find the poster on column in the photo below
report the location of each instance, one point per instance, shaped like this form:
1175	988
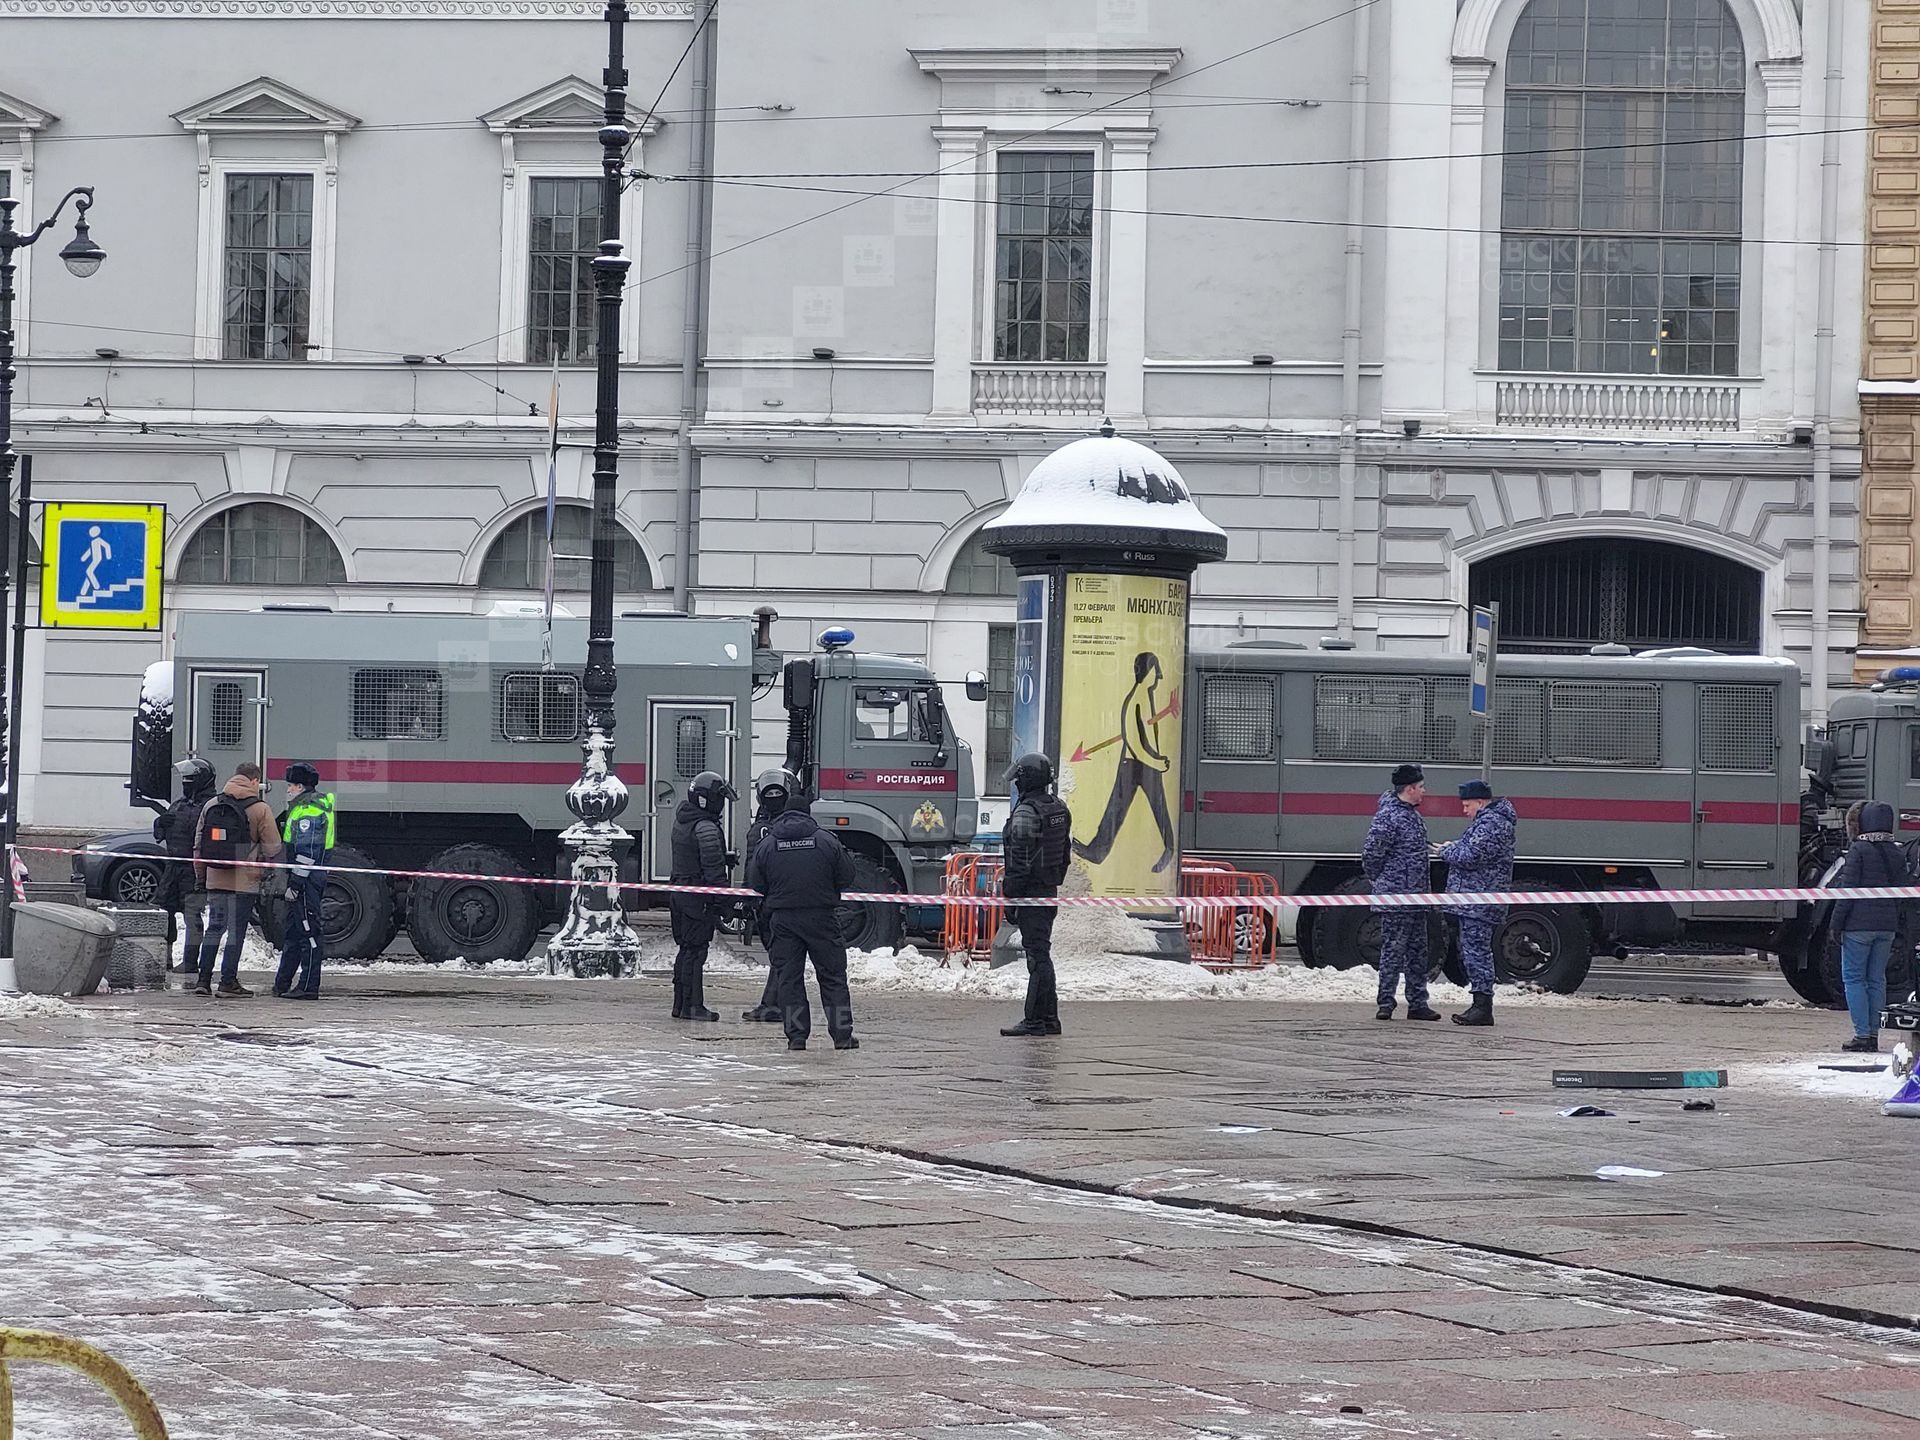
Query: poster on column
1123	660
1030	669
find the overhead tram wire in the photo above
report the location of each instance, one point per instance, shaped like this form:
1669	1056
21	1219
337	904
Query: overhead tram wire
991	150
654	109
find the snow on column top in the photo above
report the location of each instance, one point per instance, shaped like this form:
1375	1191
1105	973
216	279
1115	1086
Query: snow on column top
1106	491
156	686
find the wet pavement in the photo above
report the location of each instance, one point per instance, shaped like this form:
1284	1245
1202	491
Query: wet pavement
455	1204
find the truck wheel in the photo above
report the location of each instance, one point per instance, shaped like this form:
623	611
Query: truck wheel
872	927
1804	976
1304	937
358	915
1450	966
478	920
1346	936
1545	945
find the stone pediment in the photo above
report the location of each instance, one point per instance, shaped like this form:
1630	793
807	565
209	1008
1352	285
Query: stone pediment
265	105
18	115
570	106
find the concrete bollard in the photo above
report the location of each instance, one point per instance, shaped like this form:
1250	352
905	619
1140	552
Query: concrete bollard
60	949
140	954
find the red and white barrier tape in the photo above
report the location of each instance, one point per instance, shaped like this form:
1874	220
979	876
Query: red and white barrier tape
1109	902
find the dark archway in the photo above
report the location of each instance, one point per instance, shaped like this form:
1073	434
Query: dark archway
1566	597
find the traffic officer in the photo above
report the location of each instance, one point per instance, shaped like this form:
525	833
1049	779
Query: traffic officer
1038	835
1394	859
1479	862
308	832
800	870
775	792
699	858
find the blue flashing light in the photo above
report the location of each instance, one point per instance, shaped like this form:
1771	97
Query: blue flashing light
838	638
1900	675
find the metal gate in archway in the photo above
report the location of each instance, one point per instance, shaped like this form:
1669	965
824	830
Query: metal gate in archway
1565	597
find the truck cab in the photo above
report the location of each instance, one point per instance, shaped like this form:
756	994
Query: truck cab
871	740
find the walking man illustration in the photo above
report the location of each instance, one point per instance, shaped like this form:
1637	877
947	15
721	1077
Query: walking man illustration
1142	768
98	551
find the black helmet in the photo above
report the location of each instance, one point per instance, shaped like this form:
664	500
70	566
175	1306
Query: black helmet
774	788
302	774
196	776
710	791
1030	772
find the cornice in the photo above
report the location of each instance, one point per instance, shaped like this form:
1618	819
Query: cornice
338	9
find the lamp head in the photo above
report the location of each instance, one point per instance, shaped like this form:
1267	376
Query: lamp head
80	254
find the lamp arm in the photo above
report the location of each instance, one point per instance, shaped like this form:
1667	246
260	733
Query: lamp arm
85	194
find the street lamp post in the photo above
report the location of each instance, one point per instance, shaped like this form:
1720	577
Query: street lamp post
596	939
82	257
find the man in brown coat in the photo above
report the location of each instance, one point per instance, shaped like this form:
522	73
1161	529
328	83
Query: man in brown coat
236	826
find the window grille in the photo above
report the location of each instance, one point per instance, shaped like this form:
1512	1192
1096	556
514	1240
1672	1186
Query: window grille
690	745
999	699
226	715
1603	723
540	707
1519	722
1236	721
1737	727
1369	717
398	705
269	261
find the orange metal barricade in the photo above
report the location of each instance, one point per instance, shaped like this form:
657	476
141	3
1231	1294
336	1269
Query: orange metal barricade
967	935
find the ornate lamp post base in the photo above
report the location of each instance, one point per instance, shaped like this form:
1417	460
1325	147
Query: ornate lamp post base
596	942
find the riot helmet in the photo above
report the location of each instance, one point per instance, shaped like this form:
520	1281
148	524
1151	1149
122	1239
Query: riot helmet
302	774
773	789
195	775
1030	772
711	792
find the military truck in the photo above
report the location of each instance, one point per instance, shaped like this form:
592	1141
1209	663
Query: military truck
449	744
1667	770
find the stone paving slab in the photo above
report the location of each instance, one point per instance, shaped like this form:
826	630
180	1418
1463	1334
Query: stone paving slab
519	1209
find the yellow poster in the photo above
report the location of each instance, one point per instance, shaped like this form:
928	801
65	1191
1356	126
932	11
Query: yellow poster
1123	662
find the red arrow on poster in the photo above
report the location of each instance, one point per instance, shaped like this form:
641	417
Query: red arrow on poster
1082	752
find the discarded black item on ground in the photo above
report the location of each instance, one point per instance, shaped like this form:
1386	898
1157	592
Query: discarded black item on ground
1583	1111
1857	1069
1698	1105
1639	1079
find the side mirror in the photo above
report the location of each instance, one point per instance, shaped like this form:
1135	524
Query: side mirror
1820	760
976	685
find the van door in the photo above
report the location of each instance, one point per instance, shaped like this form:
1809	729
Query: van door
1235	787
686	738
226	718
1739	810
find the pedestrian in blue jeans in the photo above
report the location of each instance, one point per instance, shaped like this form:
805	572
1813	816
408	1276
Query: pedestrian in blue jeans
1866	927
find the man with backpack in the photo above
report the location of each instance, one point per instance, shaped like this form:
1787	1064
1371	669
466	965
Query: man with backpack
181	896
236	833
308	834
1037	836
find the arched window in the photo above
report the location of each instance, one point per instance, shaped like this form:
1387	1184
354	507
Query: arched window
976	572
261	544
518	559
1621	197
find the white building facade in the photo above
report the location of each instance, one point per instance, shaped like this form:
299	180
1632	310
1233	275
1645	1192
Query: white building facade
1549	301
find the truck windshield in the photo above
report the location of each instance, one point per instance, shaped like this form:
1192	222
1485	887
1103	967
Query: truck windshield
902	714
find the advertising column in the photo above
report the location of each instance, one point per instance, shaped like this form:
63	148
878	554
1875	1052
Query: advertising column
1105	538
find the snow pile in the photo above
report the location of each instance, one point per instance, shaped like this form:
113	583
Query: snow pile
1108	481
1091	974
1805	1077
36	1007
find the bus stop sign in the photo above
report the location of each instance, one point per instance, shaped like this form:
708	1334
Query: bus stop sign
1483	633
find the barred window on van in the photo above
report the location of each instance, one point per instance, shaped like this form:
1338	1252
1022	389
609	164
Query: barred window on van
1737	727
1603	723
1369	717
1236	718
540	706
398	705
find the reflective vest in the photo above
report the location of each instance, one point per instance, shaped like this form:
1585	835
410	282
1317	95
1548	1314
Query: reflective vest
309	807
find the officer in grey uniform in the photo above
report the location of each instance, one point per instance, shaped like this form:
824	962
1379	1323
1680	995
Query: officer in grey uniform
1396	863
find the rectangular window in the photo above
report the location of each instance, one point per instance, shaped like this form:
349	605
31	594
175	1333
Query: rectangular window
902	715
269	272
1236	718
1603	723
1043	263
999	700
1377	718
226	715
398	705
540	707
565	213
1913	752
1737	728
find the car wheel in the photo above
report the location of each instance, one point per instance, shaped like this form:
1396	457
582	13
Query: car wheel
134	882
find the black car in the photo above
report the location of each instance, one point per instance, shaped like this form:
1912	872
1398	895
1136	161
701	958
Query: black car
122	869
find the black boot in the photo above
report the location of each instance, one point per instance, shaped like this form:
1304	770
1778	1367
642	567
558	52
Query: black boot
679	994
696	1008
762	1013
1032	1027
1480	1012
1422	1012
1385	1012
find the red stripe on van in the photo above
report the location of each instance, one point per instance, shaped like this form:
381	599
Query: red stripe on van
454	772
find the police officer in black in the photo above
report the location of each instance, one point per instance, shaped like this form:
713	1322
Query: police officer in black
699	858
1037	839
776	792
801	870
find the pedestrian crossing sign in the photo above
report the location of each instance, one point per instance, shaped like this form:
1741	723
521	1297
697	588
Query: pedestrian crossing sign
102	566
